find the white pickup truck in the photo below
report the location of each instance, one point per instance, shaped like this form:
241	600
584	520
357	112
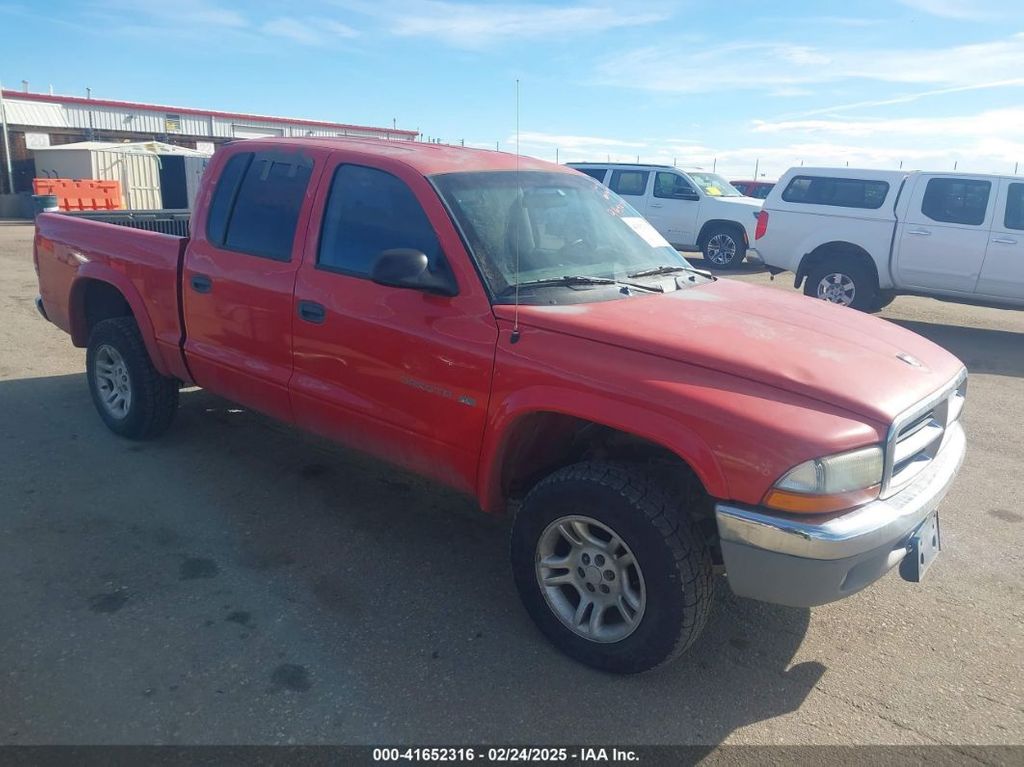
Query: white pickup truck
861	237
693	209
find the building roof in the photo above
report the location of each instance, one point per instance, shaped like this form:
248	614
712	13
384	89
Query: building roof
427	159
46	98
142	147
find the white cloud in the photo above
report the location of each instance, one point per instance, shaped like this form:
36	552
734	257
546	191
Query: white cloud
998	123
308	31
470	26
910	97
760	65
961	10
535	138
201	13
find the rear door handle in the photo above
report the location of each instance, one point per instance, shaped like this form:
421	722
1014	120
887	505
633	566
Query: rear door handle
1004	240
311	311
921	232
201	283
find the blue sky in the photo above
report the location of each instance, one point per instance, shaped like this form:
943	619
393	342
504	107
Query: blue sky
873	83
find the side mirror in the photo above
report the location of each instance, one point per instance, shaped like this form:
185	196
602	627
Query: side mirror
685	194
409	268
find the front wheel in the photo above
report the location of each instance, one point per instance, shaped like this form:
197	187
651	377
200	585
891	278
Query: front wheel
132	398
609	568
724	248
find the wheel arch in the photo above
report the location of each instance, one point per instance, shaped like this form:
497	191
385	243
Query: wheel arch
838	249
533	440
716	223
101	293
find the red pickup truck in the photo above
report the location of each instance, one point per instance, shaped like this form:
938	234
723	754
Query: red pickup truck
515	330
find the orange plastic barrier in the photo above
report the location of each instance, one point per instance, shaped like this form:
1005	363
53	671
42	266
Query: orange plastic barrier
81	194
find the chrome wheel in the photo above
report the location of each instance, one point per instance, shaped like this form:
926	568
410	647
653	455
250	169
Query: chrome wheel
837	288
112	381
721	249
590	579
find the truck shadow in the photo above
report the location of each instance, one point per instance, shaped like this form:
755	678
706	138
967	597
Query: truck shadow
982	350
390	597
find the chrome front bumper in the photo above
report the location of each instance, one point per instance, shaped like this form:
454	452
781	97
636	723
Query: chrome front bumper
805	561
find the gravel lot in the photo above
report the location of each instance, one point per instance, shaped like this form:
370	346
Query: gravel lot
238	581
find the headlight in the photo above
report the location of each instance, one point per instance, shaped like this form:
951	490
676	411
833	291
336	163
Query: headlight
831	483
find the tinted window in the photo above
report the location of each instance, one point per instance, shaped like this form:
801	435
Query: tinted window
596	173
1014	218
672	186
267	206
956	200
369	211
224	197
632	182
841	192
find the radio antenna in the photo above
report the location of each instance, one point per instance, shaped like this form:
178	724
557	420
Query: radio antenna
520	211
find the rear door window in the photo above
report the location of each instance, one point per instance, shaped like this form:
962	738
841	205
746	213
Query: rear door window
224	197
1014	217
255	208
840	192
629	182
956	200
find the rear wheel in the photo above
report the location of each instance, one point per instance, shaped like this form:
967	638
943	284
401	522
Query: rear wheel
724	247
610	570
844	282
132	398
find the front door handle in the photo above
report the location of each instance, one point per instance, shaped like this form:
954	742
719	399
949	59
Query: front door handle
920	232
1004	240
201	283
311	311
657	205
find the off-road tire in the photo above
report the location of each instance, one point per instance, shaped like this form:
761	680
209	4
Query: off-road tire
154	398
675	561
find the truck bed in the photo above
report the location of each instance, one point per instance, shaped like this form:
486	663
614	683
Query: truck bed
73	254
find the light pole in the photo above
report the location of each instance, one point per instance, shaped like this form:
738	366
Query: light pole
7	142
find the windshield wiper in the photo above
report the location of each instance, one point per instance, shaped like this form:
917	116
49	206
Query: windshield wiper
581	279
658	270
670	270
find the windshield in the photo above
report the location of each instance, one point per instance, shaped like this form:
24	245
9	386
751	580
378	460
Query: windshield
560	224
713	184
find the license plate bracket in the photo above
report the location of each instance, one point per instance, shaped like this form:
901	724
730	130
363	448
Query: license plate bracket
922	548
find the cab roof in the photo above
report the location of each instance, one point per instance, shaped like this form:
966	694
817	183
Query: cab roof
427	159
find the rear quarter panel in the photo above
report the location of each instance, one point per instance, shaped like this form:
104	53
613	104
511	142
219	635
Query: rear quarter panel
142	265
796	229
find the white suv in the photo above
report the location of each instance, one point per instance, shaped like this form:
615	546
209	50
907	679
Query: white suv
862	237
693	210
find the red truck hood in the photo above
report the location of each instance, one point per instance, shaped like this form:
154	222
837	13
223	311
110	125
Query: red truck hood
809	347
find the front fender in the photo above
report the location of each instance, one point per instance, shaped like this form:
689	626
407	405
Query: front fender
598	409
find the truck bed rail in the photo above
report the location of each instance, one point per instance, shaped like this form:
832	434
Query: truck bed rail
168	221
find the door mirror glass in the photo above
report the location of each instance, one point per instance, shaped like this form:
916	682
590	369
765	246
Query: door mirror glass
409	268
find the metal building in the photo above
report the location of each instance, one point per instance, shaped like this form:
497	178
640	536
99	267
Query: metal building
40	120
